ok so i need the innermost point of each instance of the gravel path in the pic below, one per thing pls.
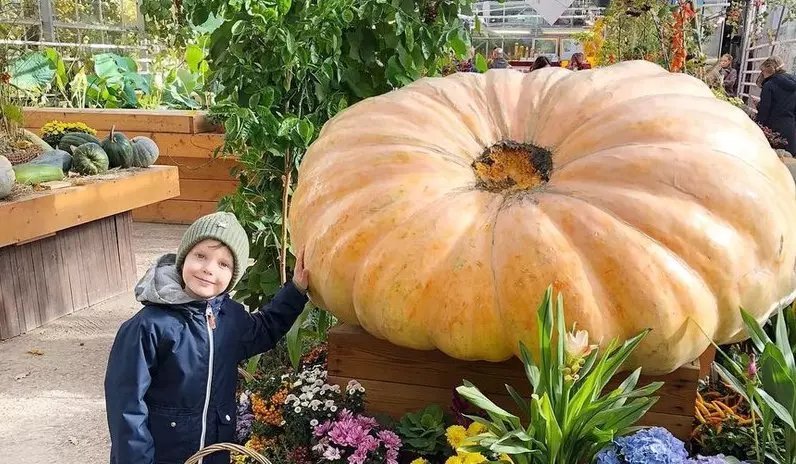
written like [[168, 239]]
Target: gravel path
[[52, 407]]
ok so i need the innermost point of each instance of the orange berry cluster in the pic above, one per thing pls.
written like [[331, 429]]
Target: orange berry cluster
[[270, 412], [260, 444]]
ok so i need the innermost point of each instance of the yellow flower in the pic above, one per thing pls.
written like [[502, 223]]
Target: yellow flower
[[455, 434], [473, 458], [419, 461], [454, 460], [475, 428]]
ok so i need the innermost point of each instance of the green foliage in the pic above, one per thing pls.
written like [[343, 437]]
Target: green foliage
[[768, 384], [33, 72], [569, 419], [423, 431], [285, 67]]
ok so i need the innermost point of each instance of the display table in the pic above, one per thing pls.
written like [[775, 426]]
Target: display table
[[399, 380], [66, 249]]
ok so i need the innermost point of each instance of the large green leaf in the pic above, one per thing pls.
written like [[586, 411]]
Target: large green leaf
[[32, 72]]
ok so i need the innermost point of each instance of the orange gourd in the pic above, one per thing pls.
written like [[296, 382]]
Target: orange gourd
[[436, 215]]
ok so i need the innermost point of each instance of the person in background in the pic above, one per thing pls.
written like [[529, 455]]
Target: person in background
[[577, 62], [728, 74], [539, 63], [778, 100], [499, 61]]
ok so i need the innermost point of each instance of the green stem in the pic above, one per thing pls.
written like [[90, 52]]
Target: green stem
[[750, 393]]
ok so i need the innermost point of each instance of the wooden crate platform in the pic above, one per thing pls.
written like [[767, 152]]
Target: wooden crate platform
[[398, 380], [67, 249], [81, 266], [186, 139]]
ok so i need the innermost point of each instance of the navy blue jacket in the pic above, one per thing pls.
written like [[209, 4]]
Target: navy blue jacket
[[156, 385], [777, 107]]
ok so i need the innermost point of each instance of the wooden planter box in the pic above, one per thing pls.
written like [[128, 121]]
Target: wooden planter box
[[186, 139], [67, 249], [398, 380]]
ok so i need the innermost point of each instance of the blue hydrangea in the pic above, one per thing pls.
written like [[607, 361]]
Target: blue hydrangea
[[608, 456], [654, 445]]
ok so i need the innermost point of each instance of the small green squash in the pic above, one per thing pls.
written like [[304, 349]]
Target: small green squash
[[89, 159], [75, 139], [57, 158], [118, 148], [145, 152], [7, 177], [33, 174]]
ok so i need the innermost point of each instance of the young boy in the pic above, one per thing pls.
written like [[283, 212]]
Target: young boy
[[172, 373]]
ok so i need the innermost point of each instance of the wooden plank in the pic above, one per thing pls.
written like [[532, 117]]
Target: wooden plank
[[9, 300], [40, 282], [49, 211], [396, 400], [194, 168], [174, 211], [25, 287], [56, 278], [355, 354], [123, 119], [69, 246], [124, 235], [205, 190], [111, 254], [93, 257]]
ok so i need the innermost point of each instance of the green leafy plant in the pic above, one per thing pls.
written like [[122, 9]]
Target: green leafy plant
[[569, 418], [423, 431], [322, 56], [768, 384]]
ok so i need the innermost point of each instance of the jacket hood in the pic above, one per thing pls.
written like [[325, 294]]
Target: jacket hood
[[785, 81], [162, 284]]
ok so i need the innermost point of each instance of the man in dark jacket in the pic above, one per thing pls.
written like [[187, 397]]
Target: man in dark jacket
[[172, 373], [777, 107]]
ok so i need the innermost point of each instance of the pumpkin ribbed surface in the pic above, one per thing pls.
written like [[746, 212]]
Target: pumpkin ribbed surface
[[436, 215]]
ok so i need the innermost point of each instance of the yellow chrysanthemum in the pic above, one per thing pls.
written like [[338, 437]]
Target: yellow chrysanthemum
[[454, 460], [475, 428], [419, 461], [455, 435], [473, 458]]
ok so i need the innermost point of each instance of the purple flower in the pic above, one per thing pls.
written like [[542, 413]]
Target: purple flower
[[751, 369], [348, 431], [608, 456], [392, 456], [321, 429], [390, 439]]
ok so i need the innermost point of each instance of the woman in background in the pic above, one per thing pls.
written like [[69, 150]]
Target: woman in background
[[777, 107]]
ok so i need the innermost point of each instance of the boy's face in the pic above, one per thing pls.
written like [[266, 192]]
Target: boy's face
[[208, 268]]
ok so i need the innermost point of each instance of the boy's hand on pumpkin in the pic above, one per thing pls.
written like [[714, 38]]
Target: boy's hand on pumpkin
[[301, 276]]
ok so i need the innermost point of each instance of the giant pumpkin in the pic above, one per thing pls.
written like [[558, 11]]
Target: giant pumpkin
[[436, 215]]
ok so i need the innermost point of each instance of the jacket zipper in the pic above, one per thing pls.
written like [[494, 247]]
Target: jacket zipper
[[210, 321]]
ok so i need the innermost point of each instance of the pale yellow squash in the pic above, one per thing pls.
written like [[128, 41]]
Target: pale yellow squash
[[436, 215]]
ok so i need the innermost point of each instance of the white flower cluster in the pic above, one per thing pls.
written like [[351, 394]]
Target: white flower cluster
[[354, 387], [313, 392]]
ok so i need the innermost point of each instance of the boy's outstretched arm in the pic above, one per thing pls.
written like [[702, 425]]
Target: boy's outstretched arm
[[127, 379], [268, 325]]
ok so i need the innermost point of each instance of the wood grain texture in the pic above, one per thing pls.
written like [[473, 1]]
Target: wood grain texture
[[187, 122], [402, 379], [49, 211], [174, 211], [45, 279]]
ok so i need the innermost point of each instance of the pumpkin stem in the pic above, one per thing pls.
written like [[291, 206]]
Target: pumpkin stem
[[511, 166], [113, 129]]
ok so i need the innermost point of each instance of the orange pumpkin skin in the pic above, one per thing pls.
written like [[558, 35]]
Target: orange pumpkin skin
[[664, 208]]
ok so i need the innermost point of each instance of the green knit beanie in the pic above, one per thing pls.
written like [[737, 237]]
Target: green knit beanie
[[225, 228]]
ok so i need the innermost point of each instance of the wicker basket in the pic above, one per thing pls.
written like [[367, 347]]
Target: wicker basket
[[208, 450]]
